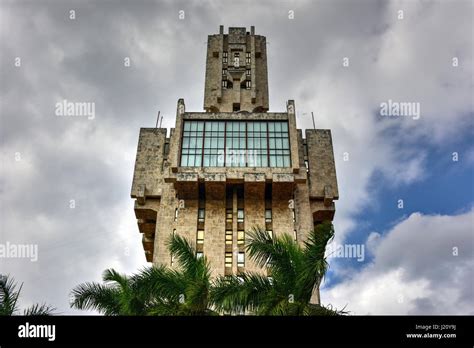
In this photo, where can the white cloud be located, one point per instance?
(415, 270)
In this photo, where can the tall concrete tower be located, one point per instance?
(233, 167)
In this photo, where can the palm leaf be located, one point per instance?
(233, 295)
(39, 310)
(93, 296)
(8, 295)
(315, 264)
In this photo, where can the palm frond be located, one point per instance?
(39, 310)
(8, 295)
(185, 253)
(280, 254)
(315, 264)
(111, 275)
(260, 246)
(96, 296)
(316, 309)
(161, 283)
(232, 295)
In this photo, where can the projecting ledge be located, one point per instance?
(283, 178)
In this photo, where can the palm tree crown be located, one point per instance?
(154, 290)
(296, 272)
(9, 295)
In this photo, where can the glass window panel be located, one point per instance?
(279, 143)
(243, 159)
(197, 162)
(185, 143)
(190, 160)
(200, 236)
(268, 215)
(184, 160)
(250, 143)
(200, 126)
(240, 237)
(240, 259)
(201, 214)
(187, 126)
(271, 126)
(284, 126)
(221, 158)
(279, 161)
(272, 161)
(228, 260)
(199, 143)
(251, 160)
(259, 161)
(240, 215)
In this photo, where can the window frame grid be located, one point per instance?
(273, 150)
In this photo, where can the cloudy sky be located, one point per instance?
(406, 183)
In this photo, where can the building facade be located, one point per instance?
(233, 167)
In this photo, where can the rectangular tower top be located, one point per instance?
(236, 71)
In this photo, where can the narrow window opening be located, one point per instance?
(240, 237)
(240, 215)
(241, 259)
(200, 237)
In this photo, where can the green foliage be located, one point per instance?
(9, 295)
(296, 272)
(154, 290)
